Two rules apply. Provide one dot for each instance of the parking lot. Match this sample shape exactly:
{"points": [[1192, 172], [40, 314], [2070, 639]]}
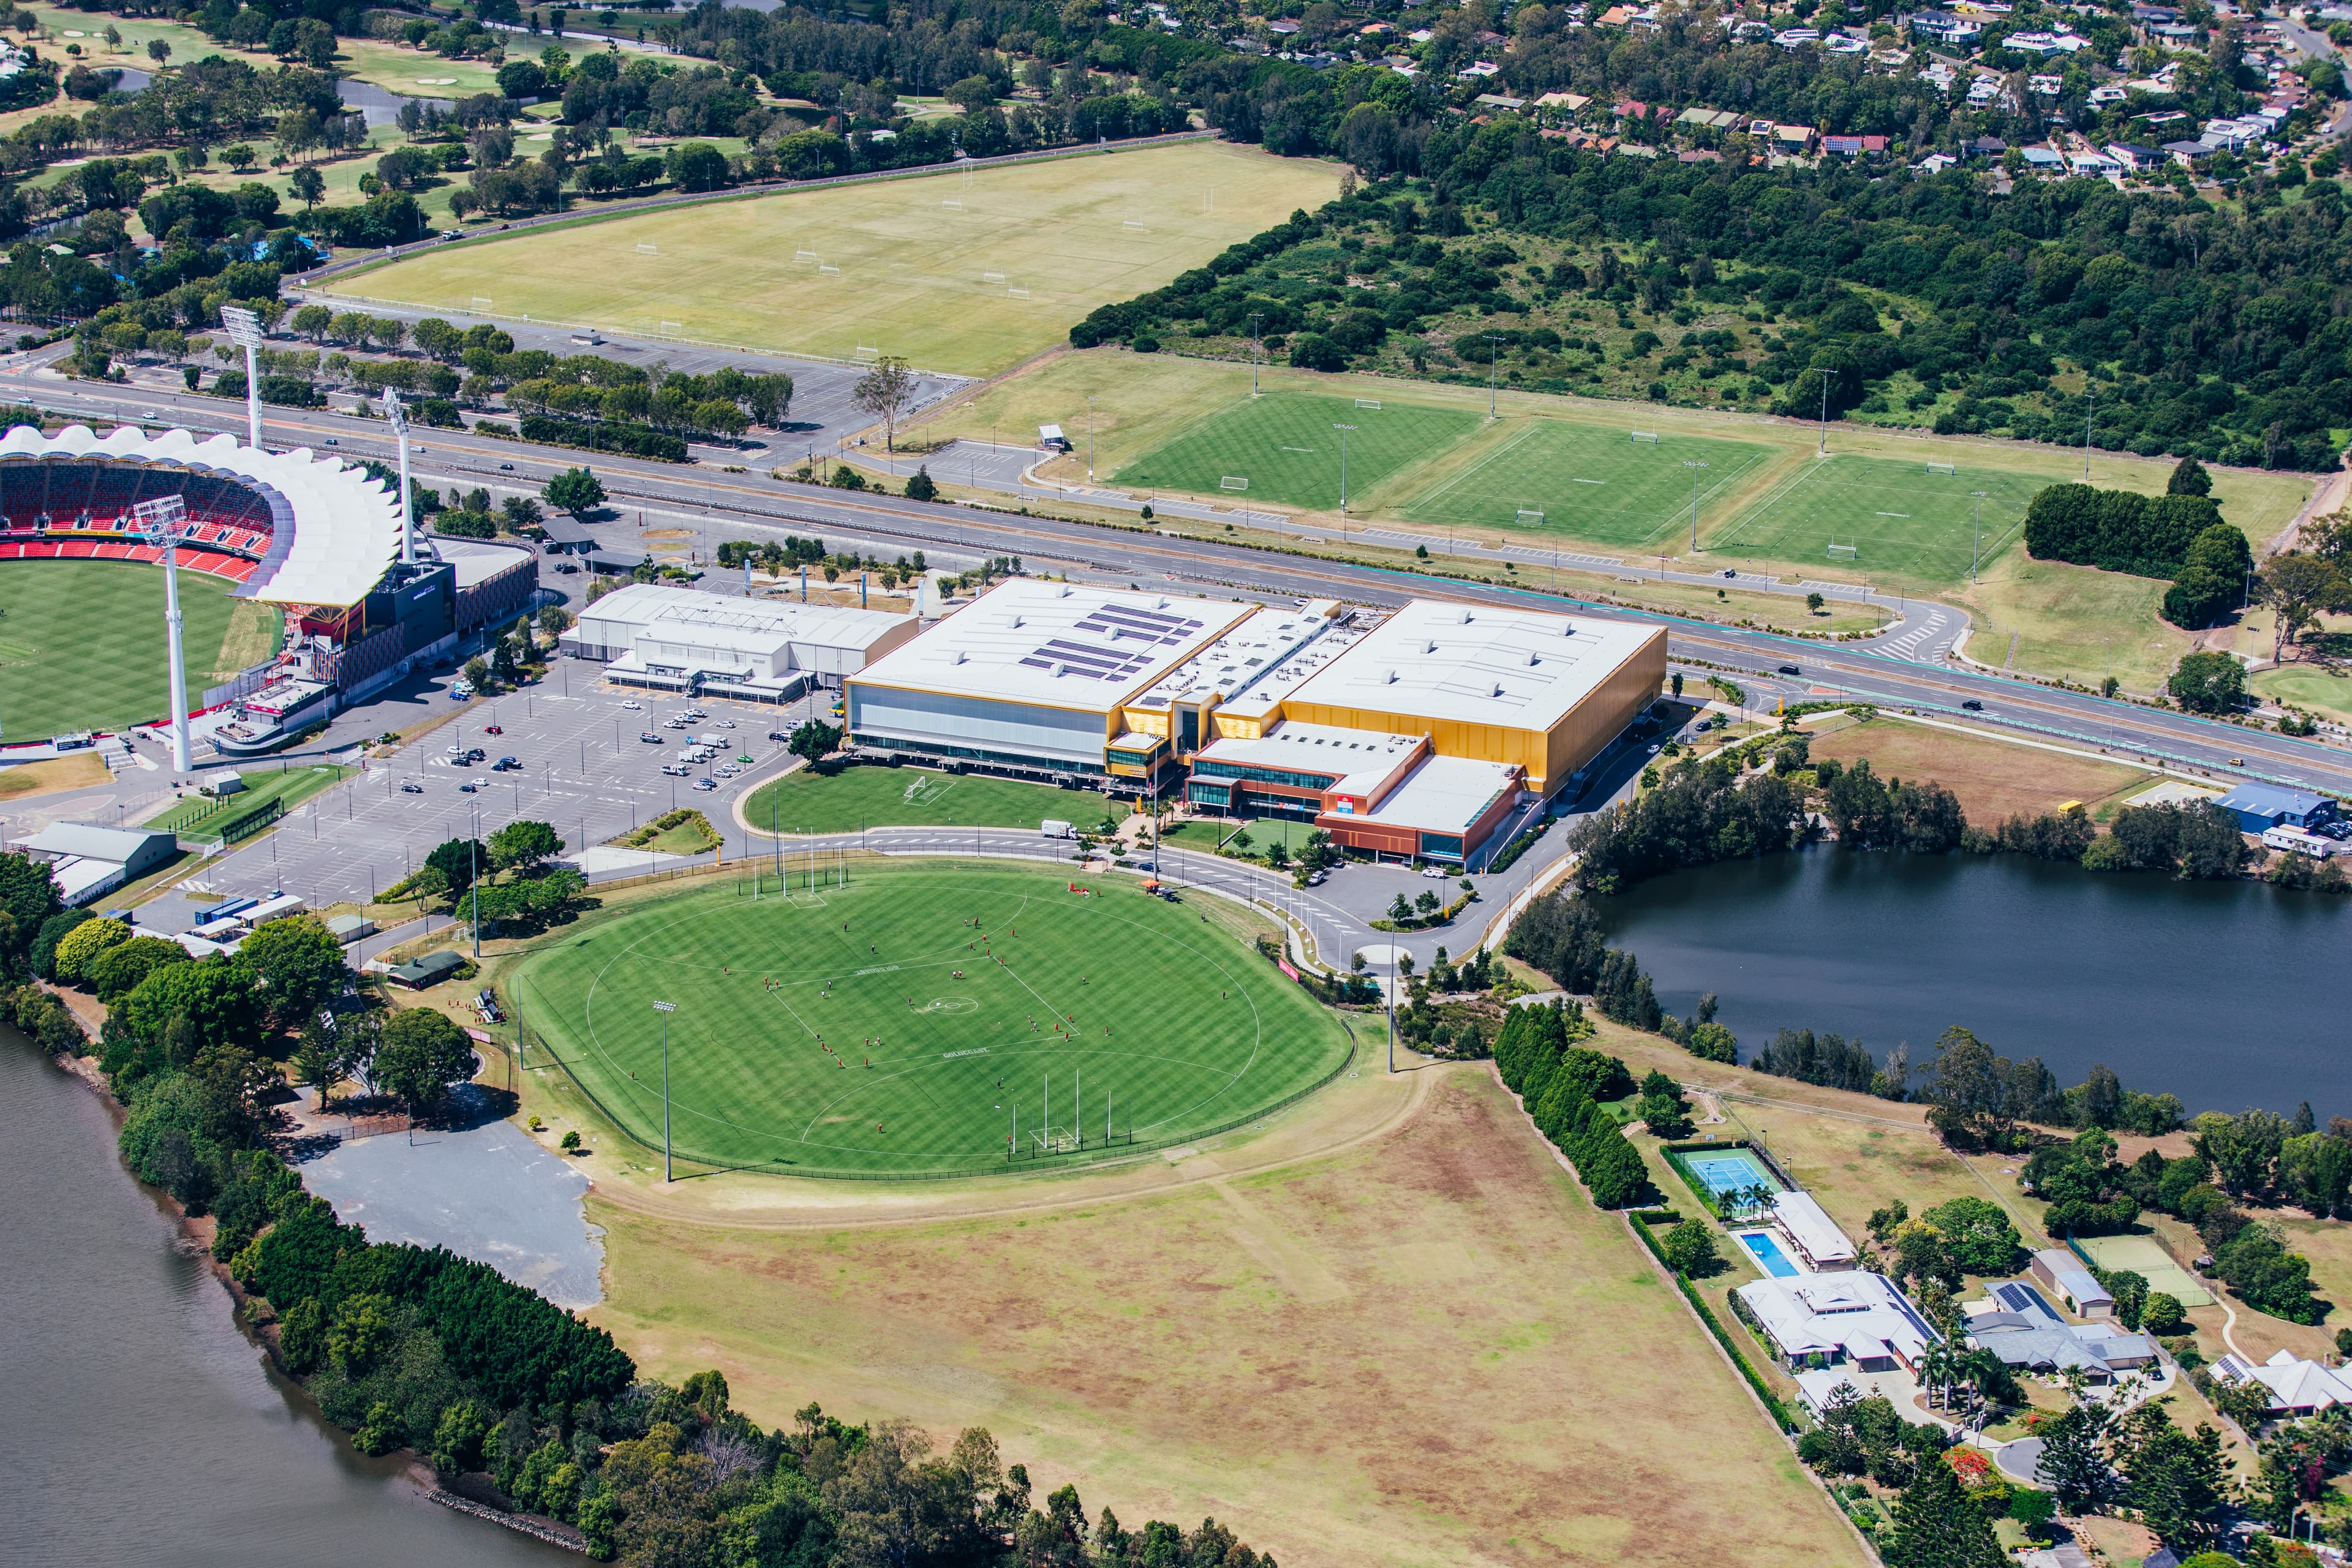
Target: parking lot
{"points": [[579, 762]]}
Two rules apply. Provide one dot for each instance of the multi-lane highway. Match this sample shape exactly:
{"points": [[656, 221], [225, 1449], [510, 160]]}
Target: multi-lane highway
{"points": [[706, 497]]}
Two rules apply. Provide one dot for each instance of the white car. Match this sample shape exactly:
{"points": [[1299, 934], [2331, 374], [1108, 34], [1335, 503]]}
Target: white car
{"points": [[633, 705], [704, 784], [727, 723], [1435, 873], [726, 770], [457, 751]]}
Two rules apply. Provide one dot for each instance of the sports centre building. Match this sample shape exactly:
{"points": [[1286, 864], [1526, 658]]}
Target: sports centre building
{"points": [[757, 650], [314, 536], [1415, 733]]}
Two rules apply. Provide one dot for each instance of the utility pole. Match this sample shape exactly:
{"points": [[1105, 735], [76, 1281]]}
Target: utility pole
{"points": [[1694, 468], [1976, 559], [1493, 353], [1090, 440], [665, 1009], [1825, 418], [2090, 404], [1255, 317]]}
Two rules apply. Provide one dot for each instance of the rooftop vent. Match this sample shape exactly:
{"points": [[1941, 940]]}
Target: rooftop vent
{"points": [[1534, 659], [1388, 677], [1465, 616]]}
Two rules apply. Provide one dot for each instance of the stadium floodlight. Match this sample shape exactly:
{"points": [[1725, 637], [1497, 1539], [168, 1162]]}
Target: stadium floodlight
{"points": [[1975, 556], [162, 523], [397, 418], [1694, 468], [1343, 430], [665, 1009], [245, 330]]}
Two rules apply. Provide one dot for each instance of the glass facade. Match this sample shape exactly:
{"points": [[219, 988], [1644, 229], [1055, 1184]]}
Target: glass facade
{"points": [[1206, 768]]}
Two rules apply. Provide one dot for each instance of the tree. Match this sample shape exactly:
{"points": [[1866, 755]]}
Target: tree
{"points": [[521, 845], [2176, 1480], [316, 1062], [421, 1054], [1938, 1525], [457, 860], [884, 393], [576, 492], [2074, 1462], [1813, 603], [308, 185], [2300, 588], [2189, 478], [813, 740], [82, 946], [299, 965], [1690, 1249], [920, 487], [478, 672]]}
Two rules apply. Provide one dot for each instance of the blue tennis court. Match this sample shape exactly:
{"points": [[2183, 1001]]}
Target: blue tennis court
{"points": [[1723, 1172]]}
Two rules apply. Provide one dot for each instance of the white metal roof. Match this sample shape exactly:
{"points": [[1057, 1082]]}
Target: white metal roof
{"points": [[1812, 1226], [1060, 645], [1257, 649], [720, 620], [91, 841], [1481, 664], [334, 529], [1443, 795], [1356, 761], [1828, 1312]]}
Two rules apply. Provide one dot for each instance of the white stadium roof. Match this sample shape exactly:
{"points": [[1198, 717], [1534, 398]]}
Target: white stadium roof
{"points": [[333, 529]]}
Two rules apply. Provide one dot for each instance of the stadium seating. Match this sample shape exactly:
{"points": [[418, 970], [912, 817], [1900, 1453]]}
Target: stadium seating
{"points": [[86, 497]]}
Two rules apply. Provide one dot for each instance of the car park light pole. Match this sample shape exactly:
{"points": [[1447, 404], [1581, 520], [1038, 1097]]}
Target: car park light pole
{"points": [[665, 1009]]}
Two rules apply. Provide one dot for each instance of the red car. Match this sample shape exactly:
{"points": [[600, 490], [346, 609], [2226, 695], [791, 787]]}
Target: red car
{"points": [[494, 730]]}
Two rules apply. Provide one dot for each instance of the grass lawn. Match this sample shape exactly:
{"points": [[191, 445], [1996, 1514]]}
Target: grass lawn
{"points": [[925, 267], [75, 769], [854, 798], [1994, 779], [1900, 517], [1283, 449], [954, 1037], [1423, 1347], [292, 785], [2074, 621], [1589, 481], [2323, 690], [82, 643], [1204, 832]]}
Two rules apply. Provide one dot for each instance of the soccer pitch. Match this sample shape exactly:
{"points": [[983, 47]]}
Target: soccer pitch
{"points": [[965, 272], [855, 798], [1882, 515], [82, 643], [920, 1020], [1283, 449], [1588, 482]]}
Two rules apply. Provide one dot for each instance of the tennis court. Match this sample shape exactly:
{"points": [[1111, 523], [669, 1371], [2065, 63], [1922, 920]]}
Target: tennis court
{"points": [[2145, 1256]]}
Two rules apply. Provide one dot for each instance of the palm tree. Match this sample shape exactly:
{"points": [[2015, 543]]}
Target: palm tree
{"points": [[1935, 1372]]}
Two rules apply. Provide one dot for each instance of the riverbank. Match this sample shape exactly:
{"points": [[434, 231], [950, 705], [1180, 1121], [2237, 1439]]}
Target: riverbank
{"points": [[235, 1463]]}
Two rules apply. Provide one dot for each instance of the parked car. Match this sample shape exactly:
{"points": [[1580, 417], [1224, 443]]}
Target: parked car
{"points": [[727, 723], [704, 784], [1436, 873], [1730, 572], [676, 769], [503, 764], [650, 739], [779, 735], [478, 756], [412, 789], [633, 705], [457, 751], [468, 787], [494, 730]]}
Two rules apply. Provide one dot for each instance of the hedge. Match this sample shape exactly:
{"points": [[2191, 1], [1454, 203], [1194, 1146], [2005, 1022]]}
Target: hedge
{"points": [[1772, 1401]]}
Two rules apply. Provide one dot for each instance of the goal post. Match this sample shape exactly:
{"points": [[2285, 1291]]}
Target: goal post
{"points": [[644, 249], [1530, 517], [1232, 482], [1650, 436], [1017, 293], [1850, 551], [1942, 469], [482, 304], [1372, 403]]}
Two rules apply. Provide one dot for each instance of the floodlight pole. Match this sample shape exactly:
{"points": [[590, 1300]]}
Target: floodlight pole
{"points": [[1825, 418], [1090, 440], [665, 1009], [1494, 353], [160, 523], [2089, 405], [1694, 468], [1343, 430], [1255, 317], [397, 418], [245, 330], [1977, 557]]}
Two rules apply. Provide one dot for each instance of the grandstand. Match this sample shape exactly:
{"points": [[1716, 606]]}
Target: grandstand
{"points": [[314, 536]]}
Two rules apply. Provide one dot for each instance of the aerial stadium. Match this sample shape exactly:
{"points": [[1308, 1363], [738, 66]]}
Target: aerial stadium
{"points": [[314, 538]]}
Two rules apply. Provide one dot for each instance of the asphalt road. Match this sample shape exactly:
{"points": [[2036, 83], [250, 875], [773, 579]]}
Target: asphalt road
{"points": [[751, 505]]}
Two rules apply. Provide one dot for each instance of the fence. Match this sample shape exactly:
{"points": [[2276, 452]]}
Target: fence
{"points": [[528, 1040]]}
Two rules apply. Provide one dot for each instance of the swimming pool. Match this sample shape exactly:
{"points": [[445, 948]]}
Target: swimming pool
{"points": [[1768, 1254]]}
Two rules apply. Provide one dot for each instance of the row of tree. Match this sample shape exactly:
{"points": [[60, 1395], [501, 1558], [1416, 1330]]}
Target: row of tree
{"points": [[1561, 1085]]}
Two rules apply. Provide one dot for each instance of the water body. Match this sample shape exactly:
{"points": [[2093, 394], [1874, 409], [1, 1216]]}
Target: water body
{"points": [[380, 107], [137, 1424], [2222, 994]]}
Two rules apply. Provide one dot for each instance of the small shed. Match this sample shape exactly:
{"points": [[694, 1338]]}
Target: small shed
{"points": [[2067, 1275], [229, 781], [430, 970], [348, 928]]}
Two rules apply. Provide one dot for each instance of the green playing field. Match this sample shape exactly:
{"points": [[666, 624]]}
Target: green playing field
{"points": [[82, 643], [927, 1019], [1898, 517], [1588, 482], [1284, 447]]}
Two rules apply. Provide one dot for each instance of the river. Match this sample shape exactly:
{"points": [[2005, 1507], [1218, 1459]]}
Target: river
{"points": [[2221, 993], [137, 1424]]}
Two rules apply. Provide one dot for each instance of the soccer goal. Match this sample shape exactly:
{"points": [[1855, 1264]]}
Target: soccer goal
{"points": [[1372, 403], [1942, 469], [644, 250], [803, 256], [952, 201], [673, 329], [992, 278], [482, 305], [822, 269], [1850, 551], [1232, 482], [1134, 224], [865, 352], [1649, 436], [1017, 293], [1530, 519]]}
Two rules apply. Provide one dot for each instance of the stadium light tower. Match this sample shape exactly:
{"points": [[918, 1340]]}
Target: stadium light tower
{"points": [[162, 523], [245, 331], [1694, 468], [397, 418], [665, 1009]]}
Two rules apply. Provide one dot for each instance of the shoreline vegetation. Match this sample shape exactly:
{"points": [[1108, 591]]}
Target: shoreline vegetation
{"points": [[522, 1413]]}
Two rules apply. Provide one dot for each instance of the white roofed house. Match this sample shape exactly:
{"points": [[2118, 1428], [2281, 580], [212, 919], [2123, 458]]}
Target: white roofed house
{"points": [[2298, 1387], [1849, 1319], [1809, 1226]]}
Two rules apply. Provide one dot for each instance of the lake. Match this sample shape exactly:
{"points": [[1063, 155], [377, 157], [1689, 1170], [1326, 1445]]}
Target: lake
{"points": [[2221, 993], [137, 1424]]}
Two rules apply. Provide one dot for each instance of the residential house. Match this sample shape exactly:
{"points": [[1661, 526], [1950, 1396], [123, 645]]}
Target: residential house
{"points": [[2092, 164], [2044, 160], [2135, 158], [1793, 138], [2028, 1336], [2188, 154], [1810, 1230], [1935, 164], [2298, 1387], [1852, 1317], [2062, 1271], [1854, 146], [1797, 37]]}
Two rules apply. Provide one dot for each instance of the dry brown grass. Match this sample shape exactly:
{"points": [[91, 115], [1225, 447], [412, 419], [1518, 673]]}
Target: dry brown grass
{"points": [[78, 770], [1994, 779], [1425, 1348]]}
